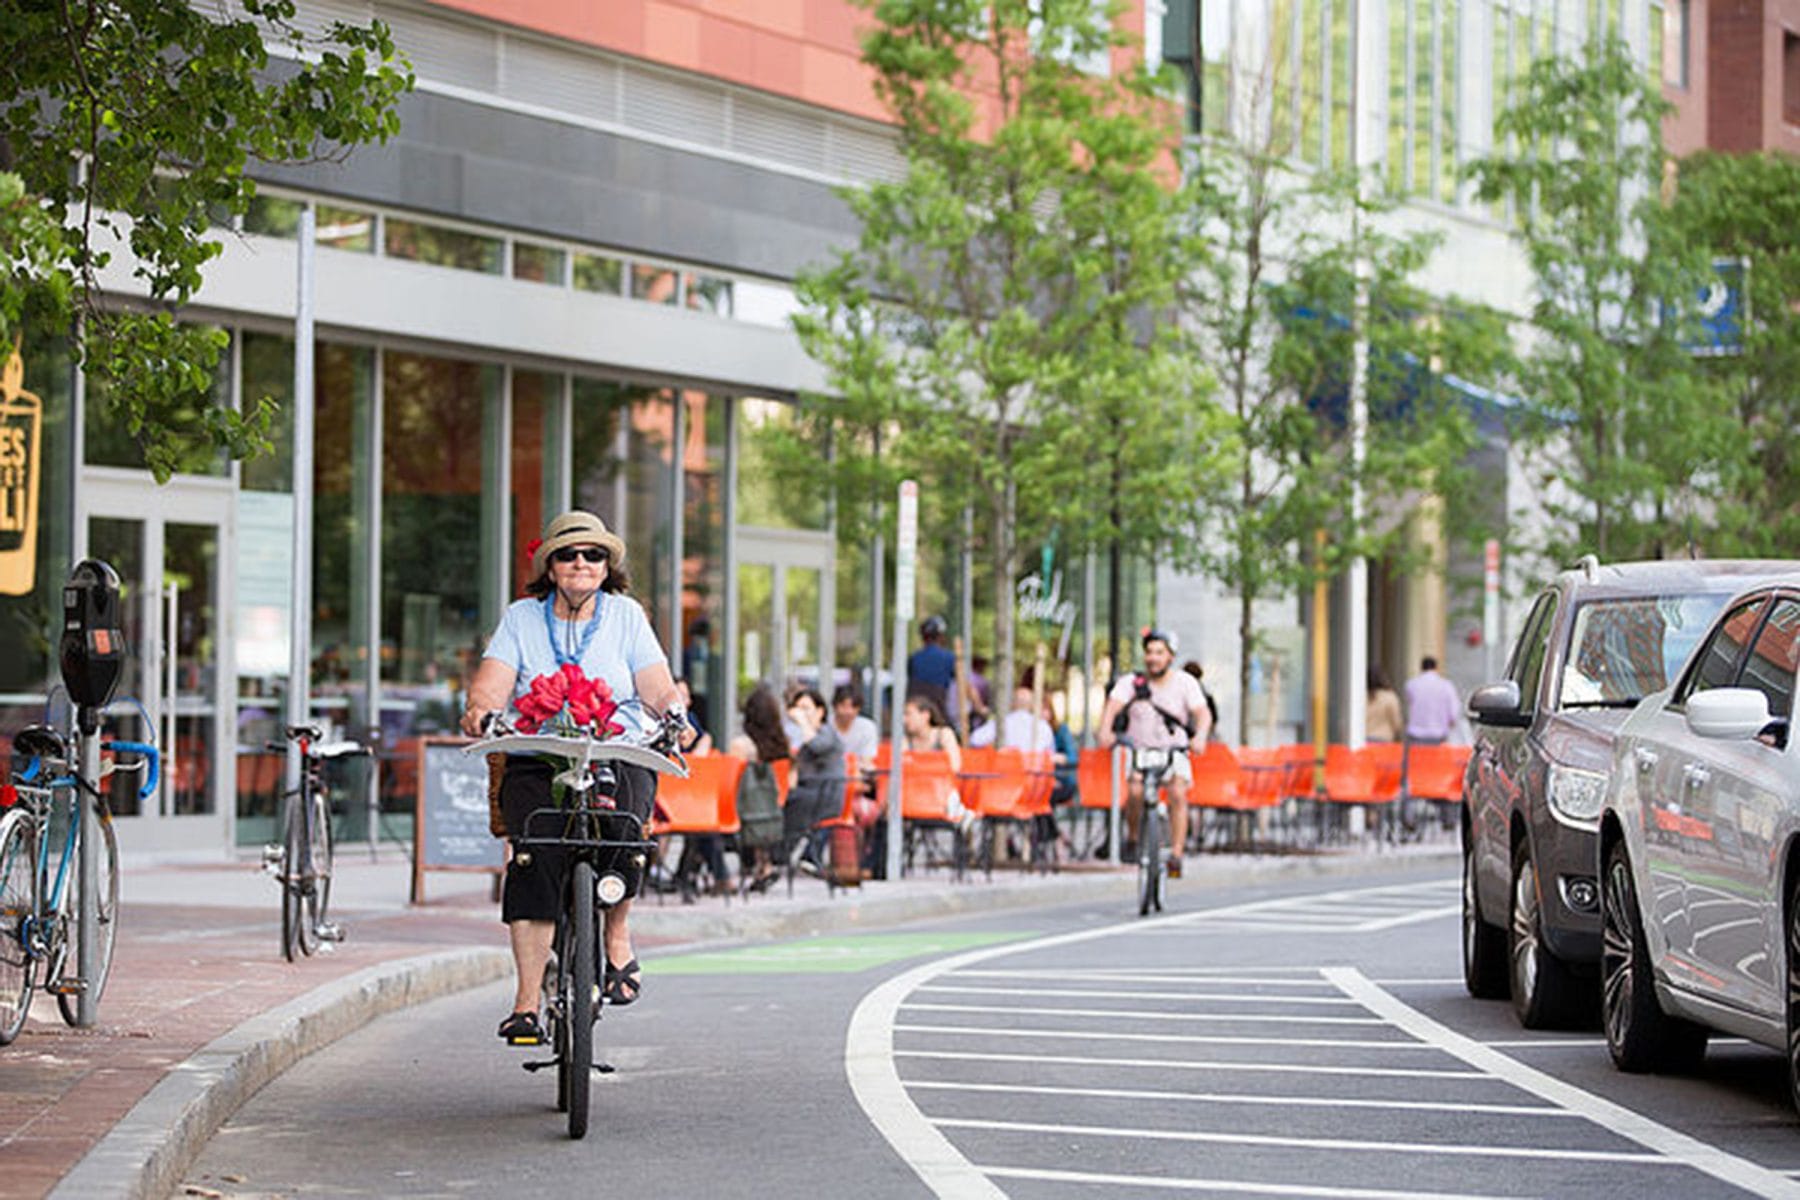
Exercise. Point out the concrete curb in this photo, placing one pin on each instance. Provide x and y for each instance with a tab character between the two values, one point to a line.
146	1154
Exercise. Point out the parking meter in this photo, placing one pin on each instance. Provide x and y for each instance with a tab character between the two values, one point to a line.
92	651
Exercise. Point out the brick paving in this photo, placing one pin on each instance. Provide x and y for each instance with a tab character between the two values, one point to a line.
182	976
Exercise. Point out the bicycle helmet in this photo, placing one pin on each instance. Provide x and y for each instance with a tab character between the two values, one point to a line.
1164	636
33	743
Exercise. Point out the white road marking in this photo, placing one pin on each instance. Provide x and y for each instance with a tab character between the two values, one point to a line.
1163	975
1192	1039
1458	1107
1015	1010
1093	994
1167	1183
1545	1043
1337	1145
1739	1172
1163	1064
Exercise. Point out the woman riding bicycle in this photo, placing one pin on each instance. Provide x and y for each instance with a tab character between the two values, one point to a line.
578	612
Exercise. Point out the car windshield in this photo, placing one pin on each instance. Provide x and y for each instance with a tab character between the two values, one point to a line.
1622	650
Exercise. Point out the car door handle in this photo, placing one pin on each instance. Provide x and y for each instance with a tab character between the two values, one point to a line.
1696	777
1646	761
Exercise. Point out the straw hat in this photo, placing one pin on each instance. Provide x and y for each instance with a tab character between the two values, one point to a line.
575	528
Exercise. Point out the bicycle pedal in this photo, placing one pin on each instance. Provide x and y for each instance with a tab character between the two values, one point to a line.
68	985
601	1068
535	1067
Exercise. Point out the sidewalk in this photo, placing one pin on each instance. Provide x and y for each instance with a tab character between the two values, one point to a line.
201	1010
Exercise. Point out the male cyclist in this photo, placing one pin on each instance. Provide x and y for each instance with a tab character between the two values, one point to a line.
1159	709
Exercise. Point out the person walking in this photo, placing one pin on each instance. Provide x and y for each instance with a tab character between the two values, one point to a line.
1384	721
1432	710
931	669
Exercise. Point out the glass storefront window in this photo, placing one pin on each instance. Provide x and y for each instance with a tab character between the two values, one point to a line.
265	530
703	554
536	400
35	535
656	284
708	293
540	264
441	246
599	273
771	439
273	216
345	229
342	473
432	559
621	450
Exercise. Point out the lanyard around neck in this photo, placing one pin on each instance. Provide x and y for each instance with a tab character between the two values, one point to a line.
563	657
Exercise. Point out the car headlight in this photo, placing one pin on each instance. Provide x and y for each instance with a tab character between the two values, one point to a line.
1576	794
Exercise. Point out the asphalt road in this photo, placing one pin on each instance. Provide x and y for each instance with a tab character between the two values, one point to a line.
1307	1040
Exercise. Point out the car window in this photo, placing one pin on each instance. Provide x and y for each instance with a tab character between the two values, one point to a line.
1716	663
1770	667
1528	662
1624	648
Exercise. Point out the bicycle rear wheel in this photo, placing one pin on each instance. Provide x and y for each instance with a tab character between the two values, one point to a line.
18	906
581	995
1150	858
106	916
293	867
316	880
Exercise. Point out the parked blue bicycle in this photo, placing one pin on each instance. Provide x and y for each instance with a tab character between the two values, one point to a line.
40	892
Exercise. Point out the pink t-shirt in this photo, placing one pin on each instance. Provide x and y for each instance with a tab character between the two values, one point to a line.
1176	693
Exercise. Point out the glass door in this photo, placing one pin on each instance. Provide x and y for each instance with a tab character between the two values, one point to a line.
782	613
169	545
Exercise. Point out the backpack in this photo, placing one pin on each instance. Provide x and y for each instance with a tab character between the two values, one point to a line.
759	807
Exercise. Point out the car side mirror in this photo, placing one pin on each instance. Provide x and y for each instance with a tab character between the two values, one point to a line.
1498	704
1730	714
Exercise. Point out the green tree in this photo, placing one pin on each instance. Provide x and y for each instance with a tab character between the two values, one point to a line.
129	123
1004	296
1617	423
1746	207
1292	283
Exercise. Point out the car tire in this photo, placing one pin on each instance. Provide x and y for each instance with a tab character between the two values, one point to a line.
1639	1035
1483	945
1545	990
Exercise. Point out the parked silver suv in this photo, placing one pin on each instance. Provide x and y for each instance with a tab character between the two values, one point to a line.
1598	640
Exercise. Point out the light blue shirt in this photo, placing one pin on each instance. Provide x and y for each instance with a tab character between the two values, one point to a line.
623	645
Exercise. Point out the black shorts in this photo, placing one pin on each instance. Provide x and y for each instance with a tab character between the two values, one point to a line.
534	889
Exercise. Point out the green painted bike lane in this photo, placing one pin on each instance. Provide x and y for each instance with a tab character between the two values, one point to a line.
829	955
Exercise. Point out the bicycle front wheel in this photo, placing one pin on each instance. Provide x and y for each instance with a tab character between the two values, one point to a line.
106	914
582	995
1150	860
317	876
18	908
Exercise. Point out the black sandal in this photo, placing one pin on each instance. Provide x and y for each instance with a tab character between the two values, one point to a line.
522	1029
623	984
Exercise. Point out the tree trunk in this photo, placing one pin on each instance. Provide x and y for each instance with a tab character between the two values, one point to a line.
1006	555
1245	640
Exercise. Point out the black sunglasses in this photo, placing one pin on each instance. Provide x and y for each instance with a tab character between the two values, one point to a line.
566	554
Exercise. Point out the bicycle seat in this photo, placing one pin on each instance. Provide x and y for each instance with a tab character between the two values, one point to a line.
342	748
311	733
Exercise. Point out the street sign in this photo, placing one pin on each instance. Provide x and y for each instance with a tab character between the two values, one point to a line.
906	551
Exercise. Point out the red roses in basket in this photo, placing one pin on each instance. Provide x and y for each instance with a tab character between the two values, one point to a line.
589	702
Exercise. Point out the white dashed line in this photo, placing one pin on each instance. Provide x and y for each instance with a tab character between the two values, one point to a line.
1014	1010
1163	1064
1251	1098
1166	1183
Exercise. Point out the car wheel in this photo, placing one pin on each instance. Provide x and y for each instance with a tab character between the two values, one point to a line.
1483	945
1639	1035
1544	990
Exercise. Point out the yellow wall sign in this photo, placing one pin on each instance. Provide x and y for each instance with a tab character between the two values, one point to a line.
21	420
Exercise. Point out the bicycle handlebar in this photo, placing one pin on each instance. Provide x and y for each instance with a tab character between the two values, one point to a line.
149	754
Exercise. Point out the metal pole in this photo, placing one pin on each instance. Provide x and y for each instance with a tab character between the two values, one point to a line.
87	919
1356	600
906	541
300	592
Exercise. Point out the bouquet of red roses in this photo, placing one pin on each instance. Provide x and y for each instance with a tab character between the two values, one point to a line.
588	702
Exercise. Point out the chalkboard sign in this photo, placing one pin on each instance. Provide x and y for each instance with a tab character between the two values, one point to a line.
450	826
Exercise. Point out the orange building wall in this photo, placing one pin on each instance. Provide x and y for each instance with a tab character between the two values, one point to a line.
807	50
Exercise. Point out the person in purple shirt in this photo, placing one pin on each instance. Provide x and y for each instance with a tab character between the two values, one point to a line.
1432	705
1432	710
